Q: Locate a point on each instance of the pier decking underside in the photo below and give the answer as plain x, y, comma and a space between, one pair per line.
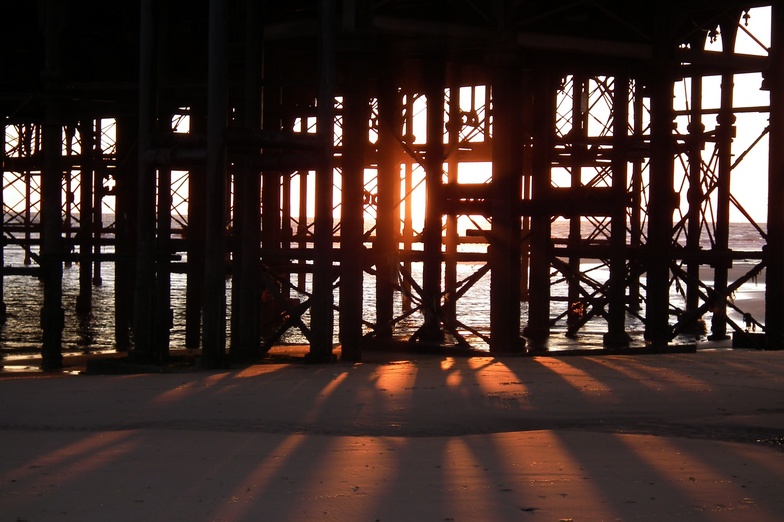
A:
355, 172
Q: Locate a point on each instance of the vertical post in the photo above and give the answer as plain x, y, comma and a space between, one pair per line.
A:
578, 138
506, 193
451, 236
302, 228
355, 121
68, 192
246, 294
197, 200
163, 317
214, 309
270, 190
538, 328
725, 131
662, 195
84, 299
3, 309
52, 313
635, 225
388, 209
695, 195
774, 277
321, 310
99, 192
144, 301
525, 245
616, 335
125, 240
430, 331
408, 190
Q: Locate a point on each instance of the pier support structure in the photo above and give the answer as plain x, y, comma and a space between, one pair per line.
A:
497, 175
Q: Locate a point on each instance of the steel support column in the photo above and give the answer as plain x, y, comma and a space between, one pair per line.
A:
3, 156
506, 193
662, 196
388, 208
538, 328
323, 272
214, 309
87, 175
695, 196
197, 198
144, 298
356, 113
724, 131
774, 277
616, 335
125, 231
434, 77
163, 317
52, 313
246, 284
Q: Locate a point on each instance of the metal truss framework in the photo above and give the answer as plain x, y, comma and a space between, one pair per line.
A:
484, 203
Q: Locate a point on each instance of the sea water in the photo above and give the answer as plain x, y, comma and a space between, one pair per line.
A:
23, 297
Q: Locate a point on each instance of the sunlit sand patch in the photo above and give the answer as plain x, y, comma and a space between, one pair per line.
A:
396, 379
636, 369
255, 370
358, 471
580, 380
497, 378
315, 408
77, 459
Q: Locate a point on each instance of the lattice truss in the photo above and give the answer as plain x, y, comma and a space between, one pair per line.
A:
584, 128
21, 185
22, 178
702, 164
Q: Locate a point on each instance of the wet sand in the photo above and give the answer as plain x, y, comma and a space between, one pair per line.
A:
403, 437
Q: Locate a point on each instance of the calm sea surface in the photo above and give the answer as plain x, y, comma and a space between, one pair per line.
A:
23, 296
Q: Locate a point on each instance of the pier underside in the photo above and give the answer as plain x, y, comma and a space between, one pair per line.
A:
470, 175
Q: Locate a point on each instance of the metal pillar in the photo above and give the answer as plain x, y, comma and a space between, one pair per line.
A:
246, 293
3, 156
616, 335
52, 313
636, 188
197, 198
774, 277
506, 192
144, 302
99, 191
430, 332
84, 299
662, 196
538, 327
725, 131
451, 238
695, 196
356, 113
163, 317
388, 208
321, 311
214, 309
125, 231
578, 138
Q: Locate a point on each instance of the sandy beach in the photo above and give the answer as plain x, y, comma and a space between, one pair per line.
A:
402, 437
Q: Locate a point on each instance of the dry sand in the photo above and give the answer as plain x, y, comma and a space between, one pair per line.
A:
427, 437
